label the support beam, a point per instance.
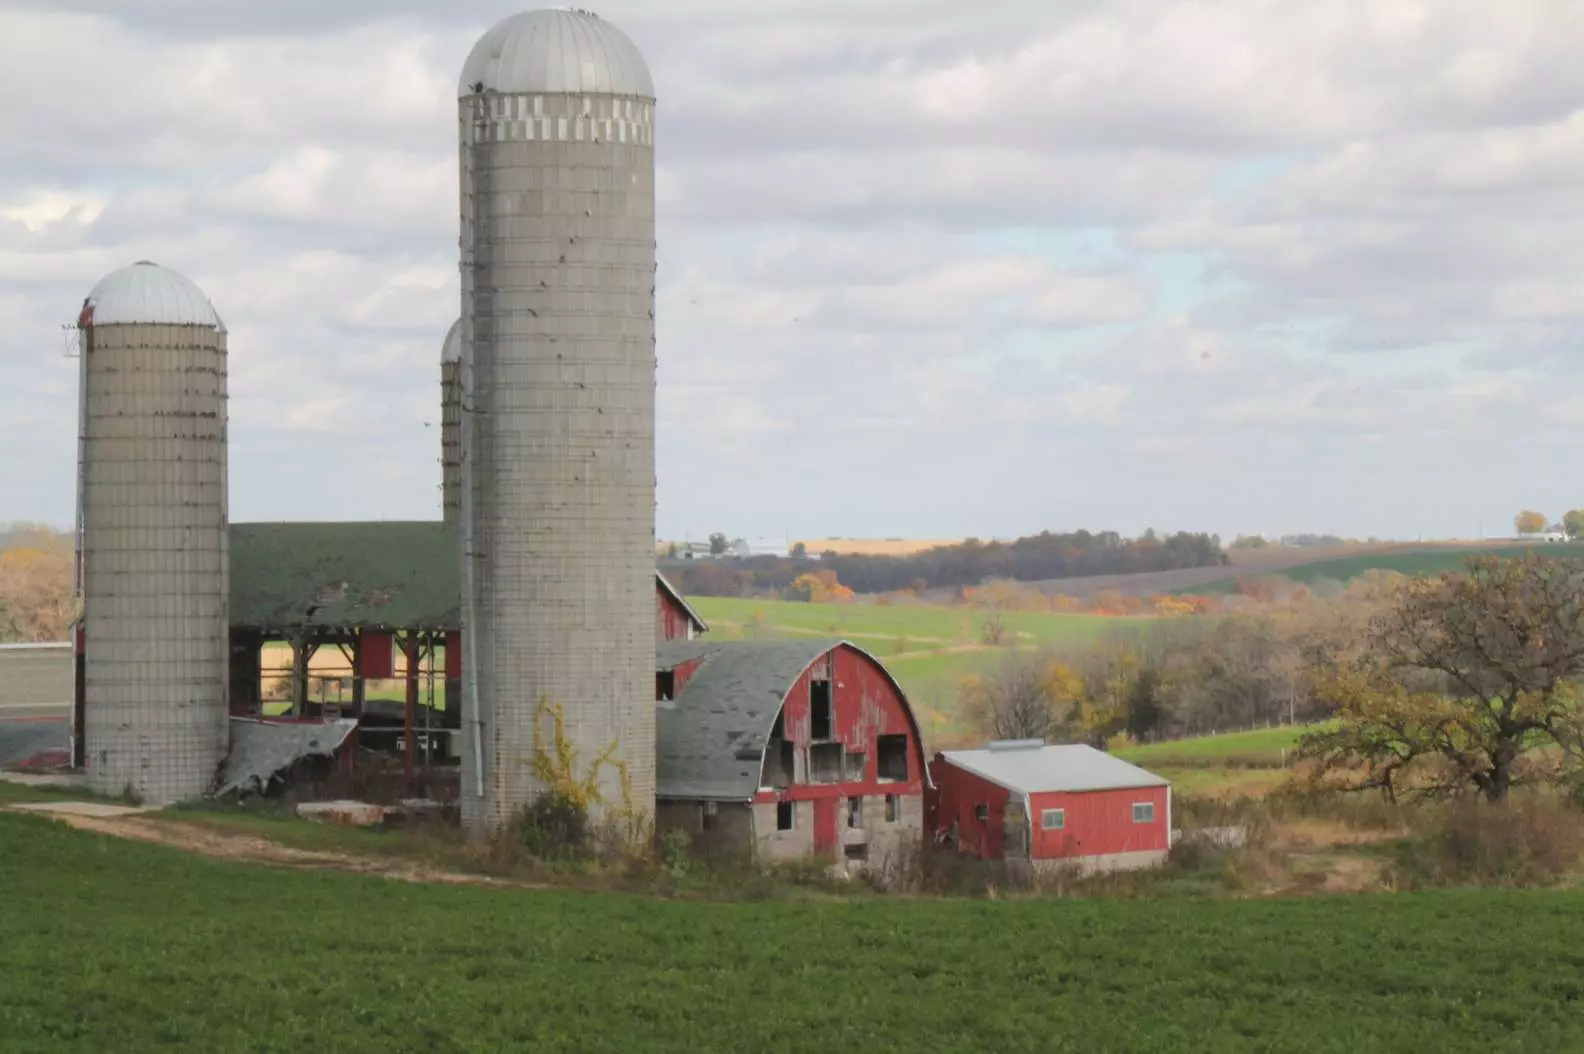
(409, 719)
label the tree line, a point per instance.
(1034, 558)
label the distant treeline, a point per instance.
(1032, 559)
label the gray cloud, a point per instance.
(926, 268)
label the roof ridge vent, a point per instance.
(1015, 744)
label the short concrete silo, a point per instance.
(451, 424)
(154, 511)
(558, 374)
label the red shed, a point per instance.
(675, 618)
(1052, 805)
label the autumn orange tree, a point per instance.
(1529, 522)
(817, 587)
(36, 588)
(1470, 682)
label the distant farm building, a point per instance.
(792, 748)
(1054, 806)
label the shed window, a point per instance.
(981, 813)
(893, 760)
(893, 808)
(786, 815)
(1053, 819)
(1144, 812)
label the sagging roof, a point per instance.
(261, 751)
(1032, 767)
(385, 574)
(711, 739)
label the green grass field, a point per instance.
(1262, 748)
(1422, 562)
(118, 946)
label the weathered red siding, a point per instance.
(958, 795)
(673, 617)
(1099, 823)
(866, 704)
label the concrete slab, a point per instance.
(42, 779)
(99, 810)
(344, 813)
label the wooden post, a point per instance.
(410, 650)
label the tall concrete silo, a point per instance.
(451, 424)
(556, 118)
(155, 559)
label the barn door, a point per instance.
(825, 826)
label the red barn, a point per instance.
(675, 619)
(1052, 805)
(791, 747)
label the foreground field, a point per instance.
(98, 955)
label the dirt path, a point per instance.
(230, 845)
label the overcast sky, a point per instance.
(926, 268)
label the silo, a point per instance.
(451, 424)
(556, 116)
(155, 560)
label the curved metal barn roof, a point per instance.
(451, 350)
(556, 51)
(149, 294)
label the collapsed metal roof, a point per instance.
(262, 750)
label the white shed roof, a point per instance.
(147, 293)
(556, 50)
(1031, 767)
(451, 350)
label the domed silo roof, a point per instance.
(556, 51)
(451, 350)
(146, 293)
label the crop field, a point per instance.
(1414, 562)
(99, 953)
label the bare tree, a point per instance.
(1462, 682)
(1028, 695)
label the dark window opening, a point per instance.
(855, 767)
(858, 851)
(786, 815)
(893, 808)
(854, 812)
(708, 819)
(982, 813)
(893, 757)
(820, 722)
(825, 763)
(665, 685)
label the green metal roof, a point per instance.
(372, 575)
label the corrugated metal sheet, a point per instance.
(1068, 767)
(260, 750)
(556, 51)
(147, 293)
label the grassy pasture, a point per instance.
(99, 955)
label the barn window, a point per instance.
(893, 760)
(1143, 812)
(1053, 819)
(665, 685)
(854, 812)
(825, 761)
(893, 808)
(982, 813)
(786, 815)
(857, 851)
(780, 764)
(820, 721)
(707, 816)
(855, 763)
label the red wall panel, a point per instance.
(378, 659)
(1099, 823)
(958, 796)
(453, 655)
